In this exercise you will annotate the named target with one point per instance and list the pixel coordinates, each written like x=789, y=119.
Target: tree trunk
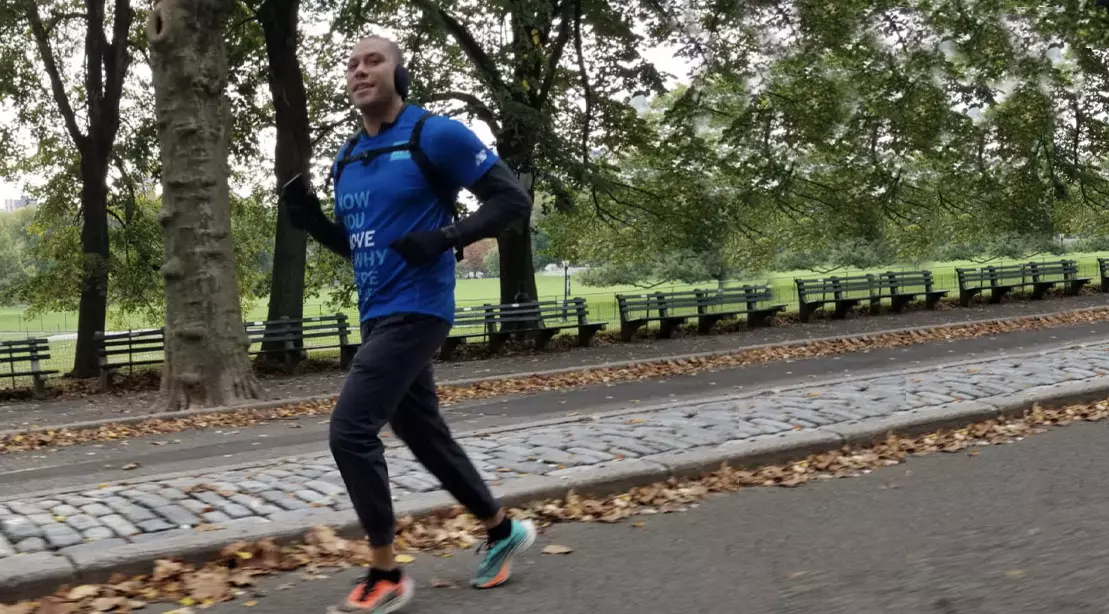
x=292, y=155
x=93, y=307
x=206, y=359
x=517, y=267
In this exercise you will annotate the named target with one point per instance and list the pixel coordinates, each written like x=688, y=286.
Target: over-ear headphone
x=401, y=81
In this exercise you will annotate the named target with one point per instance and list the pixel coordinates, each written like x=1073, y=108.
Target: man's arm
x=331, y=235
x=503, y=202
x=305, y=213
x=465, y=161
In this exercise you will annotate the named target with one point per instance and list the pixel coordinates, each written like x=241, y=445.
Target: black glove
x=301, y=203
x=422, y=247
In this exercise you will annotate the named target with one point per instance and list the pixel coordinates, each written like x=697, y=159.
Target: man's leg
x=419, y=424
x=394, y=351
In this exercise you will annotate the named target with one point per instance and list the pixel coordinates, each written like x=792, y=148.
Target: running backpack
x=430, y=173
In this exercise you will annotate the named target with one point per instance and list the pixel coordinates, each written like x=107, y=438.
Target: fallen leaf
x=1015, y=573
x=205, y=527
x=405, y=558
x=107, y=604
x=250, y=604
x=212, y=585
x=556, y=549
x=84, y=591
x=130, y=466
x=438, y=583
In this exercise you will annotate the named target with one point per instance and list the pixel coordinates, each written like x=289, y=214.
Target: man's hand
x=420, y=248
x=302, y=203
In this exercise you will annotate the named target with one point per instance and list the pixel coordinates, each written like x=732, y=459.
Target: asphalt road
x=208, y=449
x=1017, y=529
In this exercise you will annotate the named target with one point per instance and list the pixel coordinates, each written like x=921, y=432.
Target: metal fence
x=602, y=307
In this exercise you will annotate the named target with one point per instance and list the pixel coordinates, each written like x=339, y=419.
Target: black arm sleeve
x=331, y=235
x=503, y=201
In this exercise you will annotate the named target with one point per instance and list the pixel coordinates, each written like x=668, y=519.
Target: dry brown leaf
x=210, y=585
x=53, y=605
x=205, y=527
x=556, y=549
x=108, y=604
x=165, y=569
x=83, y=591
x=439, y=583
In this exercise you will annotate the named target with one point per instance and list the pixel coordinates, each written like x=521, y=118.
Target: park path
x=98, y=518
x=77, y=408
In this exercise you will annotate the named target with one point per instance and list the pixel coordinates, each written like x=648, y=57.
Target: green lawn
x=601, y=301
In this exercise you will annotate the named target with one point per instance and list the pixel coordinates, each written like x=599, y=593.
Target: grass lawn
x=601, y=301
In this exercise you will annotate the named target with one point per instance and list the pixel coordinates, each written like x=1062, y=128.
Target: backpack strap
x=444, y=192
x=343, y=160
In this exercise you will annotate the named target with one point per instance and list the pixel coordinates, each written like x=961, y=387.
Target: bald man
x=396, y=183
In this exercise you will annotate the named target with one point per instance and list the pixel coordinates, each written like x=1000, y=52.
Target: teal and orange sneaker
x=377, y=597
x=496, y=567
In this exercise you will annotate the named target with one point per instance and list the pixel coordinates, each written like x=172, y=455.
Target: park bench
x=136, y=348
x=1000, y=280
x=1103, y=269
x=673, y=309
x=127, y=350
x=813, y=294
x=904, y=287
x=290, y=338
x=539, y=320
x=23, y=358
x=846, y=293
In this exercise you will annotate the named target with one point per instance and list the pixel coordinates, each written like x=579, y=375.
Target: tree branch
x=56, y=86
x=96, y=60
x=57, y=19
x=473, y=104
x=117, y=59
x=326, y=131
x=584, y=84
x=565, y=19
x=487, y=68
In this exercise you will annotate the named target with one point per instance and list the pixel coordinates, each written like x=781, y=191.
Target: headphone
x=401, y=80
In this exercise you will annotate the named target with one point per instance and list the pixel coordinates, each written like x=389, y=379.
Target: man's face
x=370, y=73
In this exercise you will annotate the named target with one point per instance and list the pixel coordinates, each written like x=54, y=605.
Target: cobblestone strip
x=117, y=514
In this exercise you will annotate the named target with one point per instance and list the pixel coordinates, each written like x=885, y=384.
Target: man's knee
x=349, y=435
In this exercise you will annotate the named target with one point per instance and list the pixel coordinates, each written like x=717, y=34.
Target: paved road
x=1017, y=529
x=93, y=407
x=202, y=449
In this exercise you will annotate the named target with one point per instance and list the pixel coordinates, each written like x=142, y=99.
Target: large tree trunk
x=93, y=308
x=293, y=154
x=206, y=359
x=517, y=267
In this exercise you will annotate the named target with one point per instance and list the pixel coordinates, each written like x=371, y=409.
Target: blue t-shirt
x=388, y=198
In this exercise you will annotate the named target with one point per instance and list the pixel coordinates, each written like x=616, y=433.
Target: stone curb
x=263, y=405
x=30, y=576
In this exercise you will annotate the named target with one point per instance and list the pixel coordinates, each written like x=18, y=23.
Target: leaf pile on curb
x=654, y=369
x=232, y=574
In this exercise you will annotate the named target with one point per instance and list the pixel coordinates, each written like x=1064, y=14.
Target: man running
x=395, y=187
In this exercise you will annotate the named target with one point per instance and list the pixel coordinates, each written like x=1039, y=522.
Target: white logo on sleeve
x=480, y=158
